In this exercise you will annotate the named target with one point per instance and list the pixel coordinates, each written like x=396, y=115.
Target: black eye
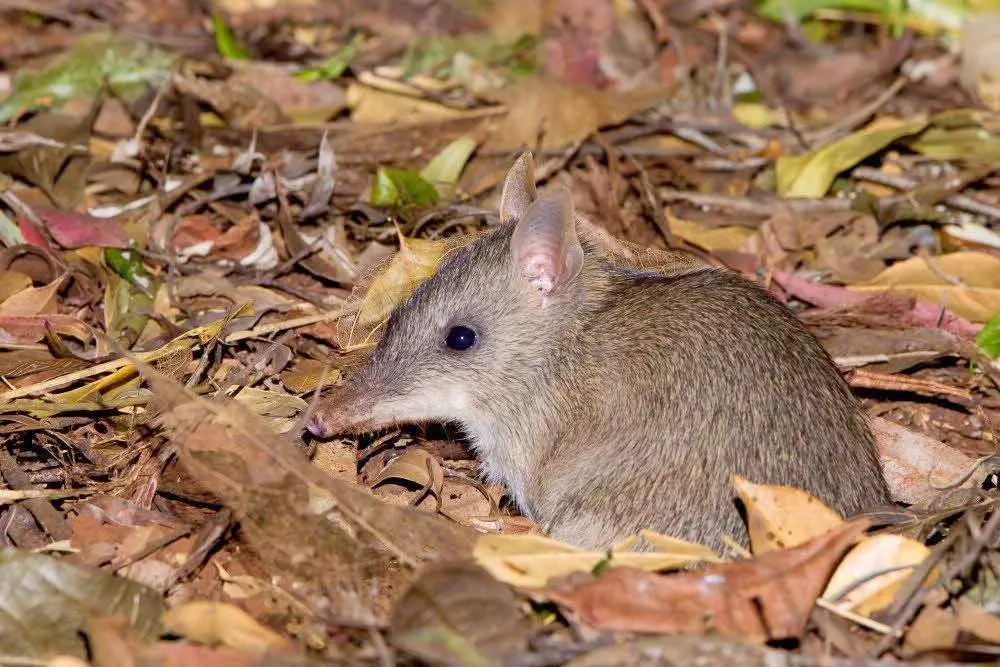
x=461, y=338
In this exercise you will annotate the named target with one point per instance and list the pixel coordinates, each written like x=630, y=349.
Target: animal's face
x=470, y=342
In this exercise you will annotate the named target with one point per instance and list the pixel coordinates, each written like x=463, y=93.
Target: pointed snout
x=347, y=410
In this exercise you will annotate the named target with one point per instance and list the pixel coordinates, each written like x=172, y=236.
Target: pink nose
x=316, y=427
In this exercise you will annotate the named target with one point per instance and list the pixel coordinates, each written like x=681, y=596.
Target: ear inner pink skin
x=545, y=247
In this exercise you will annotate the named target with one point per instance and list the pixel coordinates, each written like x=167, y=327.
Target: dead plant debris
x=208, y=211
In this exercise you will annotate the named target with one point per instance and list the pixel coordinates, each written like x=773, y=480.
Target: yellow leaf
x=529, y=561
x=811, y=174
x=780, y=516
x=731, y=237
x=11, y=283
x=221, y=623
x=976, y=298
x=370, y=105
x=416, y=261
x=874, y=554
x=758, y=116
x=33, y=300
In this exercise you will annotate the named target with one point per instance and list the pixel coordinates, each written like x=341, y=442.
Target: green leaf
x=776, y=10
x=401, y=187
x=332, y=69
x=811, y=174
x=46, y=604
x=10, y=234
x=130, y=68
x=126, y=310
x=988, y=339
x=128, y=265
x=959, y=134
x=443, y=171
x=225, y=41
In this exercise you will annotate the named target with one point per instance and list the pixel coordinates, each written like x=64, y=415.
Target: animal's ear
x=518, y=188
x=545, y=248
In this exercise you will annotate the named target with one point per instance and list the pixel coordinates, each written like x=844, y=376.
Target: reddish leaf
x=75, y=230
x=768, y=597
x=31, y=329
x=31, y=235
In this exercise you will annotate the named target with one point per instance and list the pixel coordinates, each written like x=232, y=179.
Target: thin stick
x=115, y=364
x=863, y=621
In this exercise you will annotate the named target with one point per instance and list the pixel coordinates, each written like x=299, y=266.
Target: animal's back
x=689, y=380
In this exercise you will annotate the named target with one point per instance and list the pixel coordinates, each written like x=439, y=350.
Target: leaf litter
x=204, y=229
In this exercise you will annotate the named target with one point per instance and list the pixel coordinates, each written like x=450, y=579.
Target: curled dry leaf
x=465, y=599
x=418, y=466
x=530, y=561
x=767, y=598
x=33, y=300
x=966, y=283
x=416, y=261
x=779, y=517
x=914, y=464
x=874, y=554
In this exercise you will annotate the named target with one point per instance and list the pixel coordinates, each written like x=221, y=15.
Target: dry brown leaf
x=33, y=300
x=464, y=598
x=914, y=463
x=31, y=329
x=933, y=628
x=314, y=530
x=371, y=105
x=416, y=261
x=415, y=465
x=779, y=517
x=979, y=622
x=768, y=597
x=306, y=374
x=529, y=561
x=222, y=623
x=976, y=296
x=731, y=237
x=561, y=113
x=874, y=554
x=13, y=282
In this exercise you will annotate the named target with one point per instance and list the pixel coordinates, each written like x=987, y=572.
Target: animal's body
x=608, y=400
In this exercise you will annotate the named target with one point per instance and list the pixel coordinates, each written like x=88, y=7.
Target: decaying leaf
x=221, y=623
x=415, y=465
x=966, y=283
x=866, y=594
x=58, y=598
x=529, y=561
x=416, y=261
x=768, y=597
x=465, y=599
x=561, y=113
x=914, y=464
x=288, y=508
x=779, y=517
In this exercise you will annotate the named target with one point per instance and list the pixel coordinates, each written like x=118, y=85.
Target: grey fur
x=624, y=401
